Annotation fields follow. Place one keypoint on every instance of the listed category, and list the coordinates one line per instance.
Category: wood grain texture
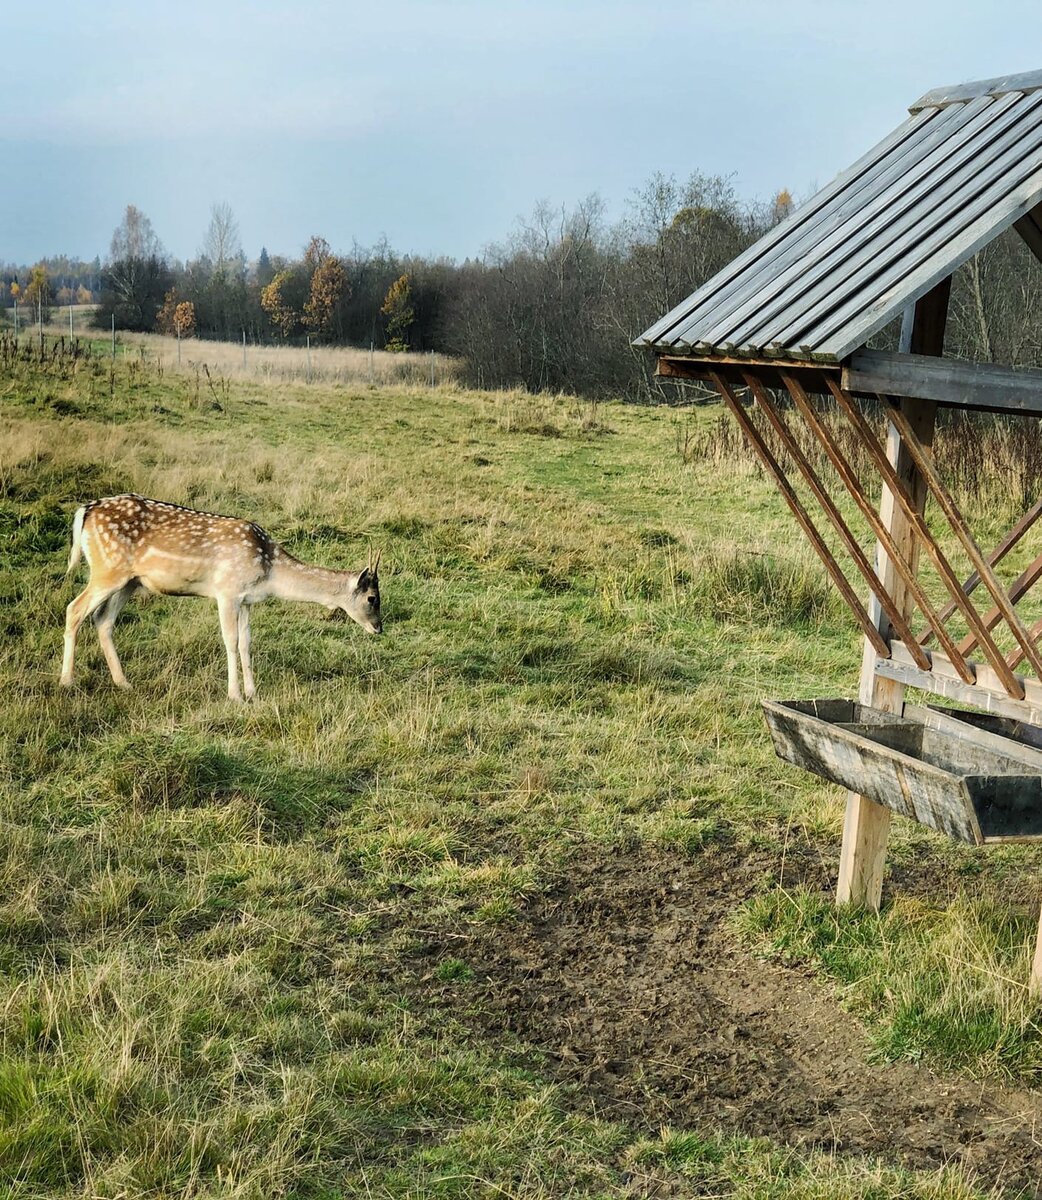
(886, 548)
(982, 386)
(968, 783)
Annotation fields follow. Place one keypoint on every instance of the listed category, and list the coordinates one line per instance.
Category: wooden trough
(783, 334)
(974, 785)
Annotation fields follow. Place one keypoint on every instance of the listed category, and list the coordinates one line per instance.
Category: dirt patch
(626, 977)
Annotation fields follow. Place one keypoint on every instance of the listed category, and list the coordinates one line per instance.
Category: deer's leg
(228, 608)
(104, 619)
(248, 686)
(91, 598)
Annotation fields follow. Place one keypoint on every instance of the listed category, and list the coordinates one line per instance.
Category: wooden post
(867, 824)
(1035, 982)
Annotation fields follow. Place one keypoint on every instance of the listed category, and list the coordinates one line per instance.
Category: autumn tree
(177, 316)
(329, 287)
(38, 293)
(782, 206)
(397, 308)
(316, 253)
(275, 300)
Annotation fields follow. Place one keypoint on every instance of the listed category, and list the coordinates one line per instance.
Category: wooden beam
(1029, 226)
(988, 693)
(866, 824)
(926, 467)
(912, 504)
(1021, 585)
(982, 387)
(1027, 81)
(924, 323)
(1016, 657)
(733, 370)
(887, 545)
(994, 558)
(893, 613)
(801, 515)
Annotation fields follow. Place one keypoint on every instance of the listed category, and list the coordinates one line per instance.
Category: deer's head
(361, 600)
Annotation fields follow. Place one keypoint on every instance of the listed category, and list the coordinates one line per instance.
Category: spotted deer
(134, 544)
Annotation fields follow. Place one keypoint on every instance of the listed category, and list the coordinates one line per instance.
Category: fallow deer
(131, 544)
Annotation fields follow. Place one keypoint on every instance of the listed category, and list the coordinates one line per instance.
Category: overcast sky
(437, 124)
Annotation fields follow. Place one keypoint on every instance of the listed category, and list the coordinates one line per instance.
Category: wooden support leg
(865, 828)
(863, 857)
(1035, 983)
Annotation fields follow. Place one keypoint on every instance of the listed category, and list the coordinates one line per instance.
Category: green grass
(208, 912)
(942, 984)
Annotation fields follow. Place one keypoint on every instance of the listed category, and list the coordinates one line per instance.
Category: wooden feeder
(787, 322)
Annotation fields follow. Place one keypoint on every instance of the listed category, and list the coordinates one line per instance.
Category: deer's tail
(77, 539)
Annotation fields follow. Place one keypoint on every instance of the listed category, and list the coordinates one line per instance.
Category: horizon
(439, 136)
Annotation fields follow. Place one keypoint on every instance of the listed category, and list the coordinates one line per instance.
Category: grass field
(236, 941)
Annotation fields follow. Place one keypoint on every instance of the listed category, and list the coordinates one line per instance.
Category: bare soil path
(625, 975)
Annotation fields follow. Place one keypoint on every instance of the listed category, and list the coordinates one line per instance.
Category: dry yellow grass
(279, 364)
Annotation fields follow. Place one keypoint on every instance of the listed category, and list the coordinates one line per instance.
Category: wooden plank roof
(963, 167)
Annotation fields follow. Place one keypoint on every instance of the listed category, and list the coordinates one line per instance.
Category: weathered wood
(887, 545)
(988, 693)
(864, 212)
(912, 509)
(1016, 656)
(892, 611)
(706, 297)
(975, 222)
(924, 462)
(683, 367)
(877, 225)
(927, 320)
(1009, 541)
(1020, 586)
(866, 824)
(1019, 740)
(963, 783)
(978, 386)
(986, 146)
(801, 515)
(1026, 81)
(1030, 229)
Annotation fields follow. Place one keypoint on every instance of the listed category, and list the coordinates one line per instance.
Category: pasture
(514, 901)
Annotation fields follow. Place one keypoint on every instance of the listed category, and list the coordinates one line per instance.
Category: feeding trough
(972, 785)
(788, 323)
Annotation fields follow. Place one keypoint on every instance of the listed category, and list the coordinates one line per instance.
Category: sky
(438, 125)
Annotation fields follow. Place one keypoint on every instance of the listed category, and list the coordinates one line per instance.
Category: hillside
(481, 907)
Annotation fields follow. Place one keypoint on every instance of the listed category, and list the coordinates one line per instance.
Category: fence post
(244, 349)
(308, 379)
(371, 364)
(113, 337)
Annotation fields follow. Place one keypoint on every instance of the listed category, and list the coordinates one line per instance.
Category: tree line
(553, 307)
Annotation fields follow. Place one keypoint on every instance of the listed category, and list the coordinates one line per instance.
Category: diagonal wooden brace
(801, 515)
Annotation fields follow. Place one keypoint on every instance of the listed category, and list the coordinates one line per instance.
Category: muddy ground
(626, 977)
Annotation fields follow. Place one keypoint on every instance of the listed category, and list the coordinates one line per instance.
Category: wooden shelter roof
(964, 167)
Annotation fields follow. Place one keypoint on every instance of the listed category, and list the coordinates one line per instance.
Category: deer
(133, 544)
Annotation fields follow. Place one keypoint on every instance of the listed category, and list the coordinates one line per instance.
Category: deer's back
(173, 549)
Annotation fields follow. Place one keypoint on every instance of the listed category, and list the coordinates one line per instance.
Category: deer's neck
(291, 579)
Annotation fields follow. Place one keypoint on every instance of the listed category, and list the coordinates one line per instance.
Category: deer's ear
(364, 580)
